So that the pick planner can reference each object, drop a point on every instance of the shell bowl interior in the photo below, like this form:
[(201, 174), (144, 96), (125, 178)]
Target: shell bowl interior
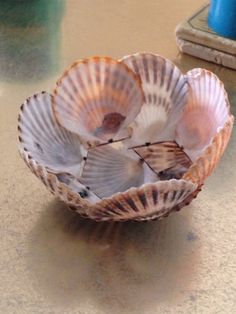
[(129, 139)]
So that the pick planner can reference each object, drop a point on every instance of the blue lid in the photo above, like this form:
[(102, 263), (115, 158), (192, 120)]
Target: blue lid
[(222, 17)]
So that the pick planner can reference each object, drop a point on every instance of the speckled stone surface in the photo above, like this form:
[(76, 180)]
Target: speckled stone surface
[(51, 260)]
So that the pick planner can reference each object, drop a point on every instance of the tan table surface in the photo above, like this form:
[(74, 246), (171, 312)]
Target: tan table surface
[(51, 260)]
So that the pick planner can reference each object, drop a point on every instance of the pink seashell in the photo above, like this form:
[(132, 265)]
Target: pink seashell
[(205, 114)]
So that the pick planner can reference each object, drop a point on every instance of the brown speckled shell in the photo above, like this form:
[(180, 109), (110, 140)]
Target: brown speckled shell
[(163, 155)]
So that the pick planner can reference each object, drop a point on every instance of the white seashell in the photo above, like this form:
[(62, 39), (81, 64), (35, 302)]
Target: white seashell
[(109, 170), (164, 155), (49, 144), (150, 201), (56, 187), (205, 114), (64, 186), (98, 98), (165, 90)]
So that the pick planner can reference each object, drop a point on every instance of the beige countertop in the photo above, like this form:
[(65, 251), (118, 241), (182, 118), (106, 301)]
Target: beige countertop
[(51, 260)]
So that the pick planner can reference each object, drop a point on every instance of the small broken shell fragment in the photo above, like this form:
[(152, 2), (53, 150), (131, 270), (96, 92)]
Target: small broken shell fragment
[(76, 186), (163, 155)]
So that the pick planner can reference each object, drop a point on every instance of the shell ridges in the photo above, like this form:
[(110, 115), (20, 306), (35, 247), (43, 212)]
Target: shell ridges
[(97, 98)]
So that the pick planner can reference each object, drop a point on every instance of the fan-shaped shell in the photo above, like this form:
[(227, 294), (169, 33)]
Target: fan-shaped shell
[(206, 163), (49, 144), (151, 201), (165, 90), (109, 170), (205, 114), (97, 98)]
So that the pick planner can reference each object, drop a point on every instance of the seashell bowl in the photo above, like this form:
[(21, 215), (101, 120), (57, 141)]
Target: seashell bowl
[(129, 139)]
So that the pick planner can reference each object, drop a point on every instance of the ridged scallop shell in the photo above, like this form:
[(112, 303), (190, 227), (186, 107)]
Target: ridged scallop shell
[(206, 163), (49, 144), (205, 114), (164, 155), (64, 186), (165, 90), (109, 170), (97, 98), (151, 201)]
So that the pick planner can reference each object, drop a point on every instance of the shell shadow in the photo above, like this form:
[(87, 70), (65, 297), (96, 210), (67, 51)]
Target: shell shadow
[(111, 266)]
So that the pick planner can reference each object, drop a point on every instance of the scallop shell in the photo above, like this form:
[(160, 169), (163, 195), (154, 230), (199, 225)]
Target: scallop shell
[(50, 145), (151, 201), (64, 186), (206, 163), (205, 114), (98, 98), (109, 170), (165, 90), (164, 155)]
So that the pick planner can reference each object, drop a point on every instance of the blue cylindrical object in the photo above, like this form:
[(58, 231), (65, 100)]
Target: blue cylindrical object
[(222, 17)]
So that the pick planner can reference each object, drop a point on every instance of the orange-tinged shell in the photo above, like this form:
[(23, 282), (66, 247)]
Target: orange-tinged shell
[(206, 163), (97, 98)]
